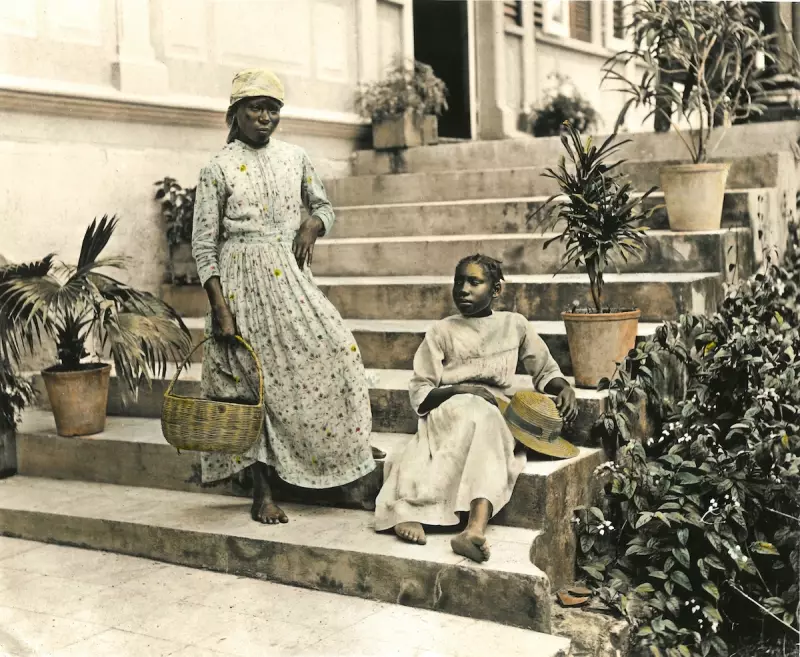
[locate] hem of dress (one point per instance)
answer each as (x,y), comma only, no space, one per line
(353,475)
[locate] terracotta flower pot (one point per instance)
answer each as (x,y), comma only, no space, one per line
(693,194)
(78,398)
(405,131)
(598,341)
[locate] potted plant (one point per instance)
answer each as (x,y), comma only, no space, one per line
(15,394)
(562,104)
(597,218)
(76,305)
(700,58)
(404,106)
(177,210)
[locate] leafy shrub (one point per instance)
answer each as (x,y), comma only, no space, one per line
(697,541)
(404,87)
(177,209)
(15,394)
(562,106)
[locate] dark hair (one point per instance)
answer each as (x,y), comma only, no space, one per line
(230,119)
(489,264)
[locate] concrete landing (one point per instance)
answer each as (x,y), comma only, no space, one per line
(320,548)
(60,601)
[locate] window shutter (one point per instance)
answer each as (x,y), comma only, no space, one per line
(538,14)
(580,20)
(513,12)
(619,19)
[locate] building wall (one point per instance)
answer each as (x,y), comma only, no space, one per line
(101,98)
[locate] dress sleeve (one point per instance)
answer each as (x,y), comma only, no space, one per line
(428,367)
(209,210)
(536,358)
(314,197)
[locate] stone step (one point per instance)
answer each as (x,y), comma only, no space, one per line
(537,296)
(391,409)
(321,548)
(132,452)
(498,216)
(390,344)
(665,251)
(506,153)
(454,185)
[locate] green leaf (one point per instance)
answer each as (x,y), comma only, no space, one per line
(711,589)
(644,588)
(762,547)
(597,513)
(683,535)
(712,614)
(681,579)
(682,556)
(714,562)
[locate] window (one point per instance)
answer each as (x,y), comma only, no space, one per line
(619,19)
(580,20)
(616,16)
(555,17)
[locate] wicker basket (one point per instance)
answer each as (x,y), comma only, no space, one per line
(206,425)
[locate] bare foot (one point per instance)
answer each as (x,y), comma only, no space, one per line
(411,532)
(267,512)
(471,545)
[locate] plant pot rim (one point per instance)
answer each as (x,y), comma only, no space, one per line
(602,317)
(688,167)
(88,367)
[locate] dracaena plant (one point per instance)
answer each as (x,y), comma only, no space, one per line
(597,215)
(73,305)
(405,86)
(700,58)
(177,209)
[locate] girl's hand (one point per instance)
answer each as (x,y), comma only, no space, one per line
(567,404)
(478,391)
(223,324)
(304,240)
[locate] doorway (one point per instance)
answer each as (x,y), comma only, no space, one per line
(441,39)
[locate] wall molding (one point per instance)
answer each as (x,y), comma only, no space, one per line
(84,102)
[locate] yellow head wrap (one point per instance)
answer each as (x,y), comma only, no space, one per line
(253,82)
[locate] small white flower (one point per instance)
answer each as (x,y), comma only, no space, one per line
(714,626)
(602,532)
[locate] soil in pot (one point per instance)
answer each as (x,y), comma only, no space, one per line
(78,398)
(598,341)
(693,194)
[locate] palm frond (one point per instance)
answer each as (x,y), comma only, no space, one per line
(95,240)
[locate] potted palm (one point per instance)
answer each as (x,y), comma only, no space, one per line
(403,106)
(597,218)
(76,306)
(177,210)
(701,68)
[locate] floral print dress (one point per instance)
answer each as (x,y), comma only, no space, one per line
(248,207)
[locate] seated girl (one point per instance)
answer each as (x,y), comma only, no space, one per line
(464,457)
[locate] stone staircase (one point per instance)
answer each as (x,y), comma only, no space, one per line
(388,268)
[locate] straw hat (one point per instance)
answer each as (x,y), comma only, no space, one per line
(535,422)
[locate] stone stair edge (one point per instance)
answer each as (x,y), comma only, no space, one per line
(204,531)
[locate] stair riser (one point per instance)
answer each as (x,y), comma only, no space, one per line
(499,154)
(538,301)
(756,171)
(391,409)
(666,252)
(497,217)
(395,351)
(658,301)
(519,600)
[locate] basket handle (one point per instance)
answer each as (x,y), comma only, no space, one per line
(211,337)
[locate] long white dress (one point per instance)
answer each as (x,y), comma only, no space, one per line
(463,449)
(318,421)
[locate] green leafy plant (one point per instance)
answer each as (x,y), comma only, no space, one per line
(15,394)
(597,216)
(561,107)
(696,543)
(177,210)
(406,86)
(698,57)
(73,304)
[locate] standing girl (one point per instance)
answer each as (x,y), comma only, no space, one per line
(253,250)
(464,457)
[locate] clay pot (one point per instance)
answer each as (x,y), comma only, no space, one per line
(597,342)
(693,194)
(405,131)
(78,398)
